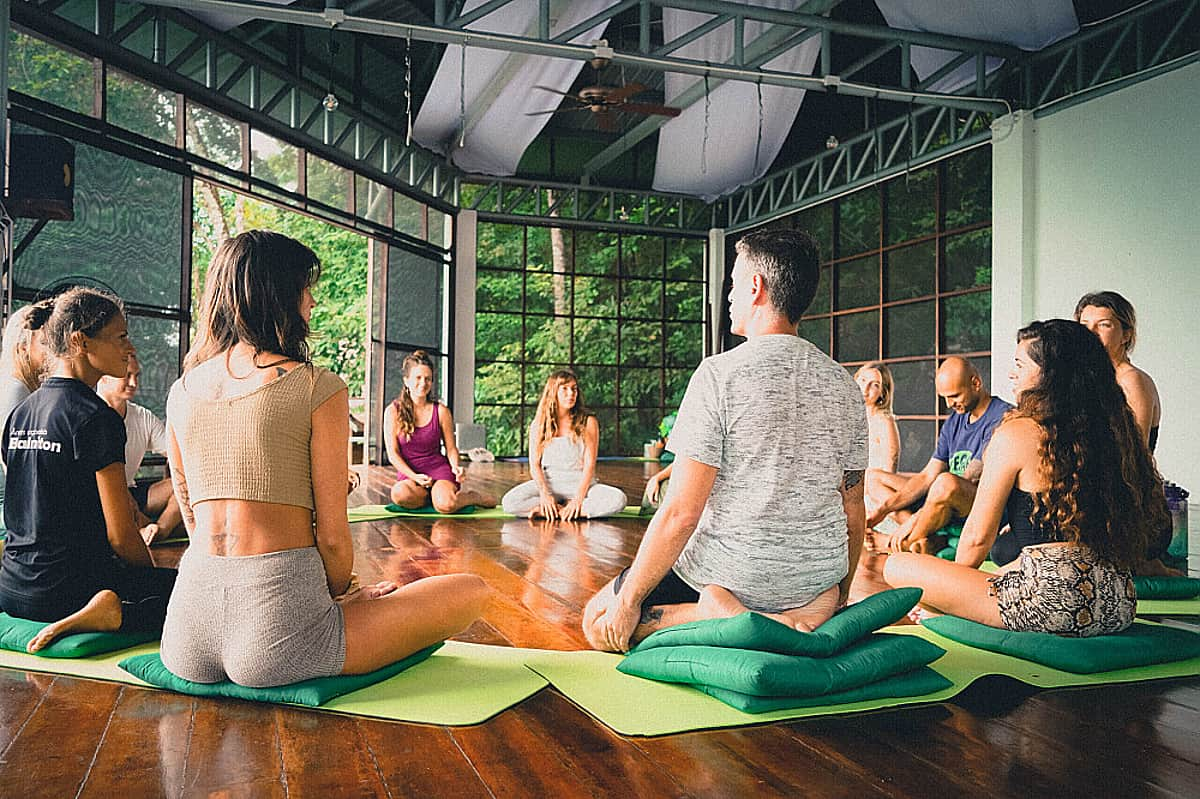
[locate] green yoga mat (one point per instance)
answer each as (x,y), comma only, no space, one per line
(460,684)
(372,513)
(633,706)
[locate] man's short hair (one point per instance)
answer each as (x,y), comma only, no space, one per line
(789,262)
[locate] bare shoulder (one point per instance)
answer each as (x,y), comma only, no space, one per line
(1016,434)
(444,415)
(1134,380)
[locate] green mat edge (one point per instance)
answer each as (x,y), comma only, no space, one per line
(374,513)
(355,703)
(961,664)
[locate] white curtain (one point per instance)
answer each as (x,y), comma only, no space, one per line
(224,21)
(1027,24)
(497,88)
(712,153)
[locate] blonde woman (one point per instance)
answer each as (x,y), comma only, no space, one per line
(875,381)
(563,441)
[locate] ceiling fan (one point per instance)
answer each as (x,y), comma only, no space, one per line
(603,100)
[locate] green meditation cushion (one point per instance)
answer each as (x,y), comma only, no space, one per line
(427,510)
(15,635)
(756,632)
(1140,645)
(921,682)
(771,674)
(313,693)
(1166,587)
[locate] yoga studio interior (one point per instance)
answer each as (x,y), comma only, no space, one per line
(521,187)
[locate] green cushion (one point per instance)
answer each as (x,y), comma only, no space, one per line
(757,632)
(428,509)
(15,635)
(1140,645)
(1166,587)
(771,674)
(920,682)
(313,693)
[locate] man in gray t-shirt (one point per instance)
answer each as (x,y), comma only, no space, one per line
(764,510)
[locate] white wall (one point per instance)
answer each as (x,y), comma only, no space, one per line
(1105,195)
(464,317)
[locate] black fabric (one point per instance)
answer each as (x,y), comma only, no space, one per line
(54,442)
(141,493)
(144,592)
(1022,531)
(671,590)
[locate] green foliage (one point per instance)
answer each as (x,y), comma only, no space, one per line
(339,322)
(41,70)
(548,297)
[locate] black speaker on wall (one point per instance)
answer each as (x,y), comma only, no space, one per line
(41,177)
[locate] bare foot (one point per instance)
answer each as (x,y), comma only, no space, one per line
(479,499)
(718,603)
(150,533)
(102,613)
(812,615)
(919,613)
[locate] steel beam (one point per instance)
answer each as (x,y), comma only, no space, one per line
(495,41)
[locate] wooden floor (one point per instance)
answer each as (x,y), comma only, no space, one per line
(62,737)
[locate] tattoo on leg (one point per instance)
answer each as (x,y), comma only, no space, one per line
(852,478)
(651,615)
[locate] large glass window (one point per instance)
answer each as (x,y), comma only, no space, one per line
(906,278)
(625,311)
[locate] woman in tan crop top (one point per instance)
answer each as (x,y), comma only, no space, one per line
(252,425)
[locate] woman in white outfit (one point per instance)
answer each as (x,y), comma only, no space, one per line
(563,441)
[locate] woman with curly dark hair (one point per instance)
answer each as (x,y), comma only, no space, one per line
(1083,497)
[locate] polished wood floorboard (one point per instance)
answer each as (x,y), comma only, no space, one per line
(62,737)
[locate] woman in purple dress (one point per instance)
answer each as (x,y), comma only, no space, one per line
(415,427)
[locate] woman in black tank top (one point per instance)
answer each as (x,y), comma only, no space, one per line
(1074,471)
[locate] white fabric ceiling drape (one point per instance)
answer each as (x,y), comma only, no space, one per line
(497,88)
(1027,24)
(710,153)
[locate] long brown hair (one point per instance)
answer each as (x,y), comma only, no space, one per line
(1104,490)
(252,296)
(406,418)
(545,420)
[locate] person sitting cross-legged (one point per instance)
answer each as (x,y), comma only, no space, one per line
(154,504)
(764,510)
(1084,500)
(947,483)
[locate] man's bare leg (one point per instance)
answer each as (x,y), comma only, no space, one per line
(653,619)
(949,496)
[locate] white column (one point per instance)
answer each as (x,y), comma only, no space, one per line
(1013,241)
(464,317)
(714,285)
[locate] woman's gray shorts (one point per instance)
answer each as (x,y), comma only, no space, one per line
(258,620)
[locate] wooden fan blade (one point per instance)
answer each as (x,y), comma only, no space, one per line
(648,108)
(621,94)
(555,111)
(556,91)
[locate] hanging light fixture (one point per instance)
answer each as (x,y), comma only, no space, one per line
(331,101)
